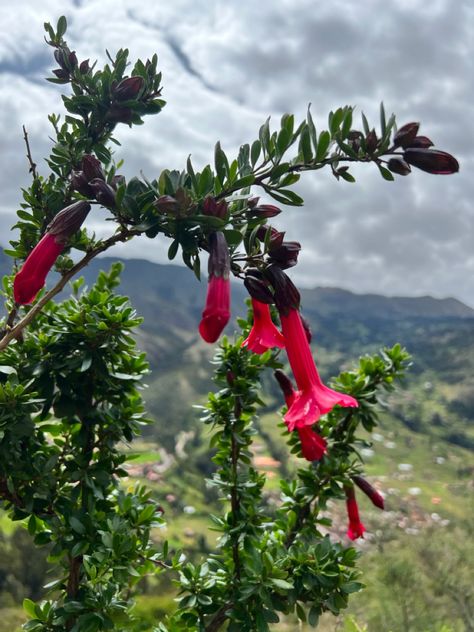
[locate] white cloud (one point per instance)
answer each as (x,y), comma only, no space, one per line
(226,66)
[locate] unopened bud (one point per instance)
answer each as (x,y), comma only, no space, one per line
(421,141)
(286,386)
(370,491)
(68,221)
(84,67)
(80,183)
(397,165)
(285,255)
(405,135)
(215,208)
(92,168)
(252,202)
(286,295)
(166,204)
(258,289)
(62,74)
(265,210)
(276,237)
(72,59)
(219,257)
(371,141)
(103,192)
(128,88)
(432,160)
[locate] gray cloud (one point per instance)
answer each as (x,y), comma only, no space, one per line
(227,66)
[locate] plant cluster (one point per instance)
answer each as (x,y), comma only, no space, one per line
(70,372)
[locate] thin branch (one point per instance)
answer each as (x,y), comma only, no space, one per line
(28,154)
(15,331)
(219,618)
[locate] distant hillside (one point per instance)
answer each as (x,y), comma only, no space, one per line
(439,334)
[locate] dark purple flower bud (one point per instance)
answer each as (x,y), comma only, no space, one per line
(72,59)
(405,135)
(371,141)
(252,202)
(84,67)
(61,55)
(68,221)
(432,160)
(286,386)
(80,183)
(219,257)
(258,289)
(215,208)
(166,204)
(307,330)
(286,295)
(118,114)
(117,181)
(103,192)
(285,255)
(397,165)
(265,210)
(128,88)
(370,491)
(61,74)
(276,237)
(92,168)
(421,141)
(230,377)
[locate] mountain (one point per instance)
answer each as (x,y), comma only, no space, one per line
(438,332)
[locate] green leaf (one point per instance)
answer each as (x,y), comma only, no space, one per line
(305,145)
(386,174)
(281,583)
(383,119)
(61,27)
(285,196)
(323,144)
(365,124)
(221,163)
(255,152)
(77,525)
(351,587)
(173,249)
(29,607)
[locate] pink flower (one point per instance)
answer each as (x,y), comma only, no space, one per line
(356,529)
(32,275)
(216,312)
(263,335)
(313,398)
(313,446)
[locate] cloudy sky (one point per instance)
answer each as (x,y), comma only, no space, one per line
(228,64)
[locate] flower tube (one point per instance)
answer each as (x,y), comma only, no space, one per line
(264,335)
(216,313)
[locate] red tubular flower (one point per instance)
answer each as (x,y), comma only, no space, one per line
(370,491)
(263,335)
(356,529)
(31,278)
(313,446)
(313,398)
(216,313)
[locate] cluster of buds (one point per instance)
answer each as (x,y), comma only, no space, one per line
(32,275)
(67,61)
(417,152)
(215,208)
(282,253)
(90,181)
(128,89)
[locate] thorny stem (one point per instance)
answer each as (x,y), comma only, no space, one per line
(15,331)
(234,496)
